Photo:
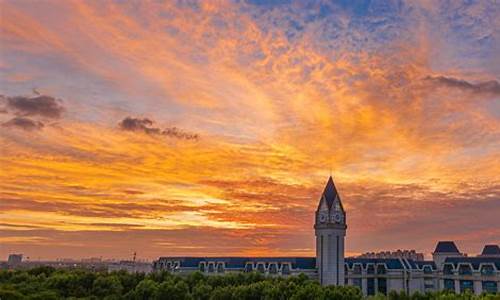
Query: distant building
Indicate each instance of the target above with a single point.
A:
(14, 260)
(372, 272)
(408, 254)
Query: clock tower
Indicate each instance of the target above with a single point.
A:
(330, 228)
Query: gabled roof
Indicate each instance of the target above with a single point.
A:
(330, 193)
(446, 247)
(491, 250)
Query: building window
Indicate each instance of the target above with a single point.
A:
(427, 270)
(490, 287)
(211, 267)
(261, 268)
(356, 269)
(428, 283)
(464, 270)
(449, 284)
(202, 267)
(220, 267)
(381, 269)
(382, 286)
(248, 268)
(285, 269)
(357, 282)
(273, 269)
(448, 269)
(466, 285)
(370, 269)
(487, 270)
(370, 287)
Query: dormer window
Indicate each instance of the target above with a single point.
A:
(448, 269)
(465, 270)
(356, 269)
(487, 270)
(220, 267)
(427, 270)
(285, 269)
(370, 269)
(248, 267)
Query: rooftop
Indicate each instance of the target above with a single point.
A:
(446, 247)
(491, 250)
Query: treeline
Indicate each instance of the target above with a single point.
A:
(48, 283)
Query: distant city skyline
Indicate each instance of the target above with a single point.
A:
(199, 128)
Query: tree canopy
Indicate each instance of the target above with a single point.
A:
(48, 283)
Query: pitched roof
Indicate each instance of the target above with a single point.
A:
(446, 247)
(330, 193)
(491, 250)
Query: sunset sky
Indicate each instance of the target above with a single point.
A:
(210, 128)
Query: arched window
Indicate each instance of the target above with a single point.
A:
(201, 267)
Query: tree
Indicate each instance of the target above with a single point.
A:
(145, 290)
(107, 285)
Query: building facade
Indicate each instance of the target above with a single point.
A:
(448, 270)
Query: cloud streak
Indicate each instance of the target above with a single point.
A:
(488, 87)
(145, 125)
(40, 105)
(23, 123)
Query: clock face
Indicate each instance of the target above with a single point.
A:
(337, 217)
(323, 217)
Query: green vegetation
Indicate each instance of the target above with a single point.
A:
(47, 283)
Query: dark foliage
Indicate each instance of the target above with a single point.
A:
(49, 283)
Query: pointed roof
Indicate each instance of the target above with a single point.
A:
(491, 250)
(446, 247)
(330, 193)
